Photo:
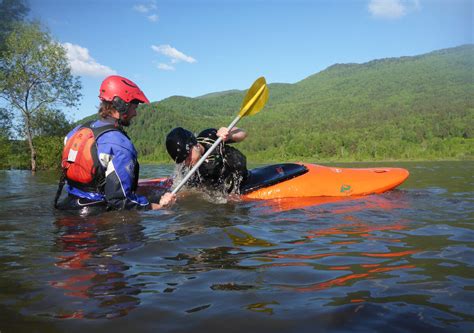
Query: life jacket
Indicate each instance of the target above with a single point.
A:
(80, 162)
(224, 168)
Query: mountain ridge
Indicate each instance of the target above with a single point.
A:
(413, 107)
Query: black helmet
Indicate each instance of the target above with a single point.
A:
(179, 143)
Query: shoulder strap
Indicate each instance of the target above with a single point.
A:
(60, 188)
(98, 131)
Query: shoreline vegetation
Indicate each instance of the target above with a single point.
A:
(328, 161)
(257, 163)
(417, 108)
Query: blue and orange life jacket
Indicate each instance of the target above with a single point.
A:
(80, 163)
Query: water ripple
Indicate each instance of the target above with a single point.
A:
(401, 261)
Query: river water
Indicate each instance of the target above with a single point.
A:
(402, 261)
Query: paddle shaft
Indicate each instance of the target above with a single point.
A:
(203, 158)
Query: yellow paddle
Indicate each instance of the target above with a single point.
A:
(253, 102)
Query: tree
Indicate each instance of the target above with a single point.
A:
(11, 11)
(5, 128)
(50, 122)
(5, 124)
(35, 76)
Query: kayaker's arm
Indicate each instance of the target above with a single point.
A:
(235, 135)
(120, 178)
(118, 157)
(165, 201)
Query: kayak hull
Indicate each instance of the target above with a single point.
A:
(318, 181)
(322, 181)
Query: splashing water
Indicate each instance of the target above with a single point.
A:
(209, 194)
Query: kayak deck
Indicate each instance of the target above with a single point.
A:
(322, 181)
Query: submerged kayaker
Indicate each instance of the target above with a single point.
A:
(99, 160)
(223, 170)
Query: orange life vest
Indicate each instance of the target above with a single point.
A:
(80, 161)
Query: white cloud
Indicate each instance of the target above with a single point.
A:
(149, 10)
(172, 53)
(153, 17)
(165, 67)
(83, 64)
(145, 8)
(392, 9)
(141, 8)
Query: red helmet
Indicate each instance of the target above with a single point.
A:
(118, 86)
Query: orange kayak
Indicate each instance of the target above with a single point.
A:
(296, 180)
(323, 181)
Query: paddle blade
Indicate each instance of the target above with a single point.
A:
(255, 98)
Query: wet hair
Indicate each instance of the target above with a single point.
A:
(106, 109)
(179, 143)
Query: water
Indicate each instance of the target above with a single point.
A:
(397, 262)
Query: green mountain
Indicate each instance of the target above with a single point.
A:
(419, 107)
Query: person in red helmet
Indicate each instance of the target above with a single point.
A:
(99, 161)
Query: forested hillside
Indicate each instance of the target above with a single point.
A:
(418, 107)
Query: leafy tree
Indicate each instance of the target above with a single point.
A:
(35, 76)
(5, 124)
(5, 146)
(49, 151)
(48, 122)
(11, 12)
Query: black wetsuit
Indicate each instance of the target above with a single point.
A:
(224, 169)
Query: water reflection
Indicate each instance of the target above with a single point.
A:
(90, 249)
(394, 199)
(342, 258)
(401, 260)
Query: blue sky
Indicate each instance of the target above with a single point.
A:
(191, 48)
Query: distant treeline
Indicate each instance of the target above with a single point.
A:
(405, 108)
(14, 154)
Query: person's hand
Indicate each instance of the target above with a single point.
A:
(166, 200)
(223, 133)
(155, 206)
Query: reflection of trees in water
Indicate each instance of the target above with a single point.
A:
(384, 252)
(222, 257)
(345, 239)
(91, 247)
(251, 253)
